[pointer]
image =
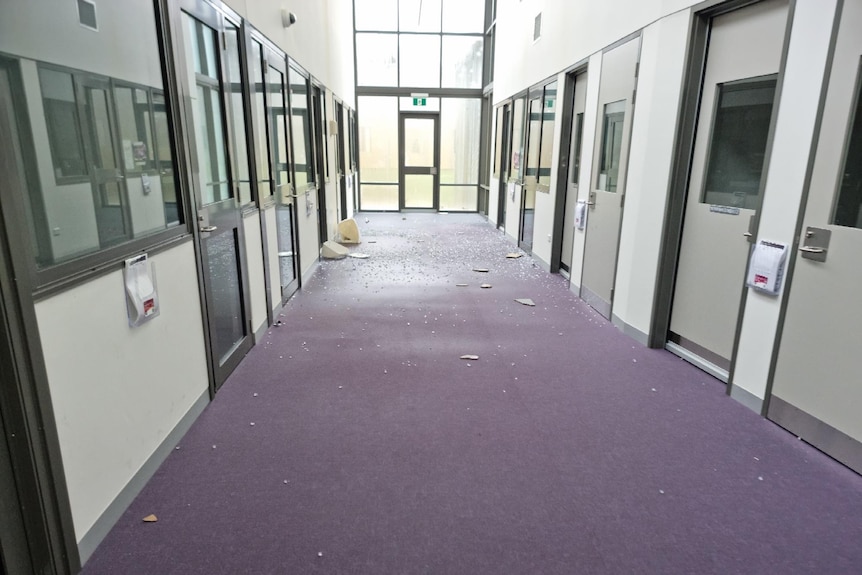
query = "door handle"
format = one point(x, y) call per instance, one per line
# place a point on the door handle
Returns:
point(208, 229)
point(810, 250)
point(747, 234)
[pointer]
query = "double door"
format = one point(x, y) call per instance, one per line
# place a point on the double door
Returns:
point(418, 174)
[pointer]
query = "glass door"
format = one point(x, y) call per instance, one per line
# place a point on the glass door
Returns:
point(420, 158)
point(109, 190)
point(209, 61)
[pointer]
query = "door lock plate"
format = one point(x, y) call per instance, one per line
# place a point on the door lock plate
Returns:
point(815, 244)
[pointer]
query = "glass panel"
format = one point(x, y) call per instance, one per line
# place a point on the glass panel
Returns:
point(460, 136)
point(848, 211)
point(377, 59)
point(286, 249)
point(459, 198)
point(548, 116)
point(110, 203)
point(133, 117)
point(534, 135)
point(378, 197)
point(241, 170)
point(419, 61)
point(419, 191)
point(378, 139)
point(166, 166)
point(259, 119)
point(277, 128)
point(612, 142)
point(464, 16)
point(498, 142)
point(738, 146)
point(207, 114)
point(517, 168)
point(376, 14)
point(419, 15)
point(410, 104)
point(303, 151)
point(418, 142)
point(577, 142)
point(64, 131)
point(462, 61)
point(221, 257)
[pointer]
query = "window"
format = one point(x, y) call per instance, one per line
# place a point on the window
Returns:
point(549, 112)
point(303, 151)
point(612, 142)
point(64, 128)
point(376, 14)
point(577, 142)
point(259, 122)
point(419, 15)
point(462, 62)
point(534, 135)
point(498, 142)
point(377, 59)
point(848, 210)
point(236, 105)
point(464, 16)
point(738, 145)
point(460, 137)
point(419, 61)
point(517, 166)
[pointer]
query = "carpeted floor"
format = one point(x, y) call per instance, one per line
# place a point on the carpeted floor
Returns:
point(354, 439)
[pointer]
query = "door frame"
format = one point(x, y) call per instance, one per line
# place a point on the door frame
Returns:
point(505, 162)
point(686, 131)
point(409, 170)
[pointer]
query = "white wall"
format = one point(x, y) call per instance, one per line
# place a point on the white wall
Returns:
point(662, 61)
point(794, 132)
point(116, 391)
point(571, 31)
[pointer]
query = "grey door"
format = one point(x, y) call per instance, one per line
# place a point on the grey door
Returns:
point(816, 392)
point(216, 186)
point(504, 141)
point(607, 190)
point(726, 177)
point(574, 172)
point(420, 159)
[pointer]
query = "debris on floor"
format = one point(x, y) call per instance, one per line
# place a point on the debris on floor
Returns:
point(485, 286)
point(460, 285)
point(150, 518)
point(481, 270)
point(348, 232)
point(470, 356)
point(333, 251)
point(526, 301)
point(513, 255)
point(357, 255)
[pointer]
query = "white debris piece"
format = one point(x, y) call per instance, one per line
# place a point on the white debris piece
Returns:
point(333, 251)
point(526, 301)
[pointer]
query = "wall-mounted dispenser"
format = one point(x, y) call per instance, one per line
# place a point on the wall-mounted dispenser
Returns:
point(142, 300)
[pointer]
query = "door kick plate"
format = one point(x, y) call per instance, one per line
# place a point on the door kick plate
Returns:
point(815, 244)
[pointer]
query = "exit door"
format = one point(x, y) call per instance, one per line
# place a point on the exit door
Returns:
point(816, 392)
point(420, 158)
point(607, 190)
point(725, 182)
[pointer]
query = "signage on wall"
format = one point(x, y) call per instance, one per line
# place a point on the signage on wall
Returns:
point(419, 99)
point(724, 210)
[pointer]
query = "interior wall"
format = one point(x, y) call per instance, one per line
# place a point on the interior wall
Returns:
point(571, 31)
point(662, 61)
point(793, 145)
point(117, 391)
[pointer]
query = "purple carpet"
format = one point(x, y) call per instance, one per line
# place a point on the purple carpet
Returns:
point(355, 440)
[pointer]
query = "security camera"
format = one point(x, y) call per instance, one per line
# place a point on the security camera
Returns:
point(288, 18)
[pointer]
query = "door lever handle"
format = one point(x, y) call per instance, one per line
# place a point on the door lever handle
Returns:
point(747, 234)
point(810, 250)
point(207, 229)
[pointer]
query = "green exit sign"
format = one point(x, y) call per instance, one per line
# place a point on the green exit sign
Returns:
point(419, 101)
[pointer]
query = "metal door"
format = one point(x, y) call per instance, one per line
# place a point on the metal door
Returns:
point(109, 186)
point(607, 190)
point(420, 158)
point(574, 162)
point(207, 65)
point(535, 109)
point(726, 178)
point(816, 392)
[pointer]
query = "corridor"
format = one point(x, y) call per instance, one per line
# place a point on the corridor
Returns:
point(354, 439)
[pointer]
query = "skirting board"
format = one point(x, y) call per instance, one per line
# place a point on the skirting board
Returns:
point(821, 435)
point(747, 399)
point(310, 271)
point(630, 331)
point(121, 502)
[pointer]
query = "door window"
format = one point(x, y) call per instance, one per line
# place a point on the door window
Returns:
point(612, 142)
point(738, 145)
point(848, 209)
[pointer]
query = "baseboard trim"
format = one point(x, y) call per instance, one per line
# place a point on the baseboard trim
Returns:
point(542, 263)
point(746, 398)
point(834, 443)
point(306, 277)
point(260, 332)
point(106, 521)
point(596, 302)
point(630, 331)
